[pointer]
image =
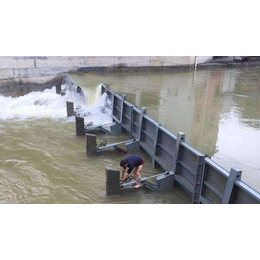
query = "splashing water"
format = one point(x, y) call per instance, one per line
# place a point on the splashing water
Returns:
point(99, 113)
point(48, 104)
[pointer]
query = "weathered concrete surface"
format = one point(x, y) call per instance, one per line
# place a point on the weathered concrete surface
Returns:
point(48, 70)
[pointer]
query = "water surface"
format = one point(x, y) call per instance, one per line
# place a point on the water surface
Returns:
point(217, 108)
point(42, 161)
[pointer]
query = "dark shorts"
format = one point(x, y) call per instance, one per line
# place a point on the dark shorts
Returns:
point(142, 161)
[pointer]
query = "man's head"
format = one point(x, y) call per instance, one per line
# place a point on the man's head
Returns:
point(124, 163)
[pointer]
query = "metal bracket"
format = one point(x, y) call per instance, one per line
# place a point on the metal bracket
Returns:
point(116, 128)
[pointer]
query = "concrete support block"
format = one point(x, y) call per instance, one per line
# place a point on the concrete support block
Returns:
point(133, 146)
point(70, 109)
point(112, 182)
point(116, 128)
point(80, 130)
point(150, 186)
point(235, 174)
point(91, 144)
point(58, 89)
point(165, 181)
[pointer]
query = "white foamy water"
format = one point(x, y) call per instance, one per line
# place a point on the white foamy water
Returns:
point(92, 95)
point(99, 113)
point(48, 104)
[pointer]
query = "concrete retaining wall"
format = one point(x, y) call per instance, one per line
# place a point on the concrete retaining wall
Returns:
point(48, 70)
point(93, 61)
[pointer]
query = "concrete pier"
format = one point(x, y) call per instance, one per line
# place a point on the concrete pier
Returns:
point(112, 182)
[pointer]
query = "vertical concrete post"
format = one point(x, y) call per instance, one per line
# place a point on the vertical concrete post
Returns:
point(180, 138)
point(235, 174)
point(70, 109)
point(80, 130)
point(112, 182)
point(58, 89)
point(91, 144)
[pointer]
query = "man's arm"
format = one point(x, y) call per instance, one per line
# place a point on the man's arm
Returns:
point(127, 175)
point(130, 170)
point(122, 174)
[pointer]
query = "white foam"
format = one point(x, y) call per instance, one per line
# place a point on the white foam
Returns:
point(99, 113)
point(92, 95)
point(48, 104)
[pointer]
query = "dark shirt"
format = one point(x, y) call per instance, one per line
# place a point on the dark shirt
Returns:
point(133, 161)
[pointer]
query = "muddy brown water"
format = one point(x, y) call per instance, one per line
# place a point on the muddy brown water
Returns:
point(42, 161)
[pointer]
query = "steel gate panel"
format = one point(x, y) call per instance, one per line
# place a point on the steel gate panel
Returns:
point(127, 118)
point(243, 194)
point(148, 134)
point(165, 149)
point(214, 182)
point(136, 119)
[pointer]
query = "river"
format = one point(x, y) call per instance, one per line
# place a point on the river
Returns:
point(42, 161)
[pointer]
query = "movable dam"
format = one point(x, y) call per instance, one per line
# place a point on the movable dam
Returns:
point(180, 164)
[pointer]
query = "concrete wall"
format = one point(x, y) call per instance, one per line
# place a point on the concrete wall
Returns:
point(93, 61)
point(203, 59)
point(49, 69)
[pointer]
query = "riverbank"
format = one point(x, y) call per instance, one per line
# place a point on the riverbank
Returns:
point(48, 70)
point(230, 62)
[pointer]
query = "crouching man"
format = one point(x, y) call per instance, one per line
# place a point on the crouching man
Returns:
point(133, 162)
